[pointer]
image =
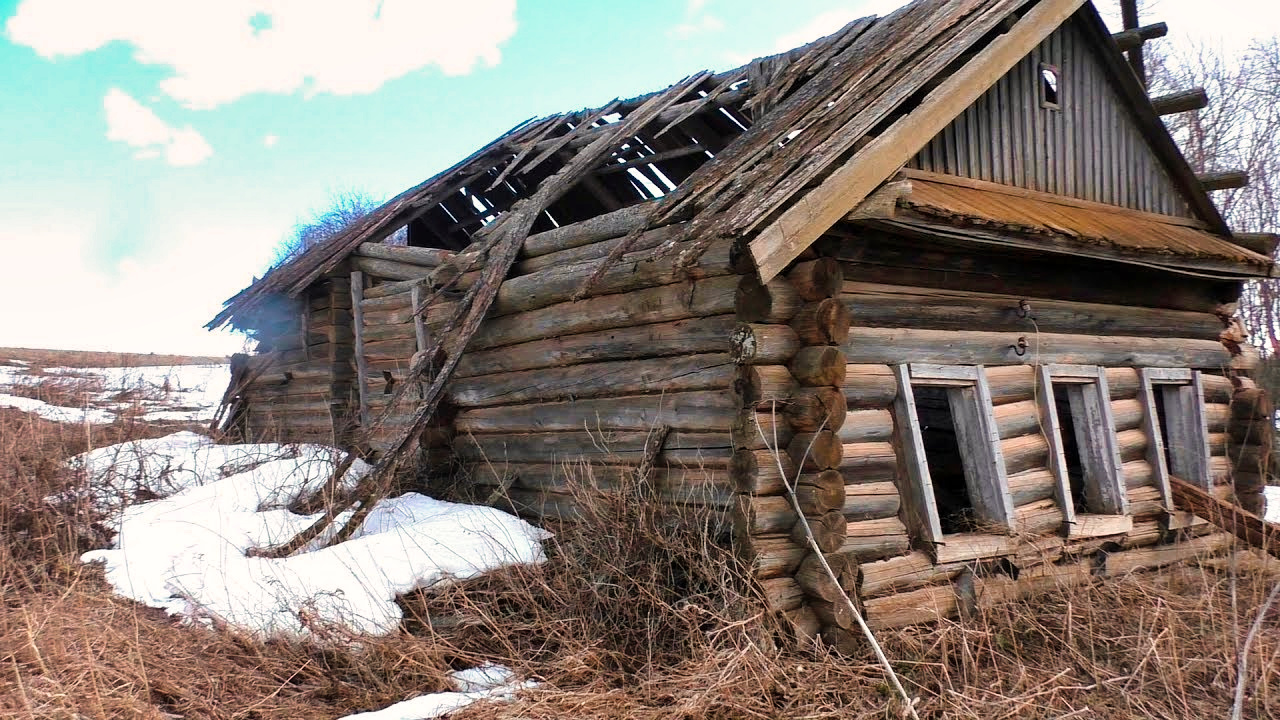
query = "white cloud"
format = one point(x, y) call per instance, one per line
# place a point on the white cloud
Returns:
point(696, 21)
point(270, 141)
point(220, 51)
point(136, 125)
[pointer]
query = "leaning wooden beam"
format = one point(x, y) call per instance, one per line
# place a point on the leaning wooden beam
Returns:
point(804, 222)
point(357, 323)
point(1234, 519)
point(1130, 39)
point(1227, 180)
point(1182, 101)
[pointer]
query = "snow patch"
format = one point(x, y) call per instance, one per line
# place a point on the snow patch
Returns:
point(487, 682)
point(185, 552)
point(1271, 499)
point(183, 393)
point(57, 413)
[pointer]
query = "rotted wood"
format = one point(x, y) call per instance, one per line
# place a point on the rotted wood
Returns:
point(1233, 519)
point(818, 366)
point(775, 302)
point(692, 335)
point(825, 322)
point(928, 604)
point(901, 573)
point(760, 344)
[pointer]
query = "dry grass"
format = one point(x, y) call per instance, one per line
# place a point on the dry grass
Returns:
point(632, 616)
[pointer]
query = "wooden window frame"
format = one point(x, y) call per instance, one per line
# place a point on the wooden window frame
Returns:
point(1096, 440)
point(978, 437)
point(1045, 102)
point(1182, 390)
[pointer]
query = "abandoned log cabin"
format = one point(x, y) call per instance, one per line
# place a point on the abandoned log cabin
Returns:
point(945, 270)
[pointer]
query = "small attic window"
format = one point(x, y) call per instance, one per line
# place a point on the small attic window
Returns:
point(1050, 78)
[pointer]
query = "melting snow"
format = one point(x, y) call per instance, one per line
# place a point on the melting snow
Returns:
point(1271, 493)
point(185, 552)
point(487, 682)
point(184, 393)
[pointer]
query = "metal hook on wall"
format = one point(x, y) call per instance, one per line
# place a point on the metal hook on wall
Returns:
point(1024, 309)
point(1020, 347)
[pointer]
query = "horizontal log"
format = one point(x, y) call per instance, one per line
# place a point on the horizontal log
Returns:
point(427, 257)
point(1146, 502)
point(817, 279)
point(1025, 452)
point(614, 448)
point(761, 344)
point(1039, 518)
point(1122, 383)
point(590, 380)
point(390, 269)
point(868, 462)
point(688, 485)
point(1138, 473)
point(810, 409)
point(1135, 37)
point(869, 386)
point(1262, 243)
point(896, 306)
point(694, 335)
point(905, 572)
point(838, 614)
point(1132, 444)
point(598, 250)
point(698, 411)
point(1089, 525)
point(866, 426)
point(584, 232)
point(769, 556)
point(764, 387)
point(774, 302)
point(867, 540)
point(1124, 562)
point(1017, 418)
point(928, 604)
point(818, 366)
point(825, 322)
point(631, 272)
point(870, 345)
point(1251, 404)
point(1012, 383)
point(761, 472)
point(698, 298)
point(964, 547)
point(758, 515)
point(870, 501)
point(1128, 414)
point(1181, 101)
point(1227, 180)
point(804, 625)
point(993, 590)
point(1144, 533)
point(1031, 486)
point(755, 430)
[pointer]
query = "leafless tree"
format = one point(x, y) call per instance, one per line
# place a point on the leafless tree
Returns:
point(344, 209)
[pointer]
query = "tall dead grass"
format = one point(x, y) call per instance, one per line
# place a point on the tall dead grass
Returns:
point(635, 614)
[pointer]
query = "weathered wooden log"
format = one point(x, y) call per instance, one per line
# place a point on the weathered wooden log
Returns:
point(928, 604)
point(760, 472)
point(1017, 418)
point(810, 409)
point(861, 426)
point(390, 269)
point(1251, 404)
point(817, 583)
point(632, 271)
point(1025, 452)
point(825, 322)
point(869, 386)
point(904, 572)
point(614, 448)
point(769, 556)
point(698, 298)
point(953, 347)
point(695, 335)
point(589, 380)
point(833, 614)
point(761, 344)
point(774, 302)
point(584, 232)
point(1256, 432)
point(870, 501)
point(817, 279)
point(427, 257)
point(828, 530)
point(597, 250)
point(697, 411)
point(1181, 101)
point(1011, 383)
point(1132, 444)
point(815, 451)
point(1123, 383)
point(804, 624)
point(991, 591)
point(754, 430)
point(816, 493)
point(1138, 473)
point(672, 483)
point(868, 462)
point(894, 306)
point(1128, 414)
point(1031, 486)
point(867, 540)
point(1144, 533)
point(1246, 526)
point(1039, 518)
point(755, 515)
point(818, 366)
point(1225, 180)
point(782, 594)
point(1135, 37)
point(1146, 502)
point(964, 547)
point(1091, 525)
point(1126, 561)
point(763, 386)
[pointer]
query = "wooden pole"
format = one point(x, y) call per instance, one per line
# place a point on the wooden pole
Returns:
point(357, 322)
point(1250, 528)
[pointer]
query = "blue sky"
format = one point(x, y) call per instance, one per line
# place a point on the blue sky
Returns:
point(153, 153)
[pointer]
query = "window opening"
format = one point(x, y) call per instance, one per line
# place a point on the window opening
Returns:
point(1070, 446)
point(943, 457)
point(1049, 86)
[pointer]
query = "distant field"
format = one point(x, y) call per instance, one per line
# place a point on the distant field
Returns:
point(94, 359)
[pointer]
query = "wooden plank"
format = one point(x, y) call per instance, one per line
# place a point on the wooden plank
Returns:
point(362, 369)
point(1057, 449)
point(1234, 519)
point(1155, 438)
point(805, 220)
point(931, 371)
point(1167, 375)
point(1188, 441)
point(979, 440)
point(1100, 452)
point(920, 510)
